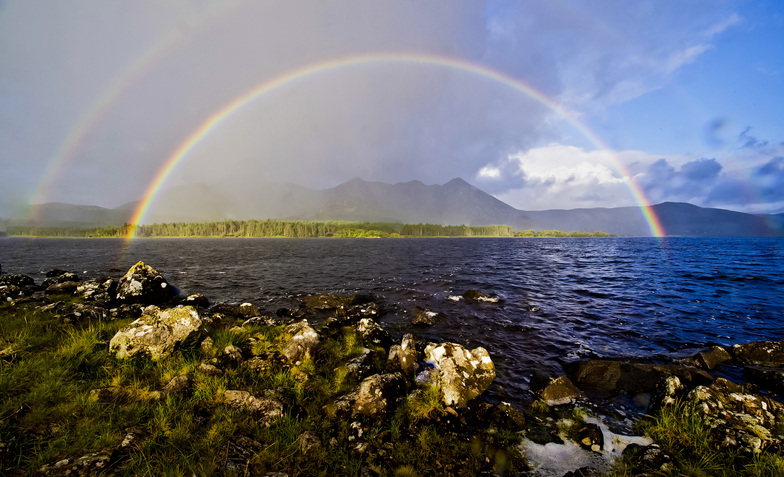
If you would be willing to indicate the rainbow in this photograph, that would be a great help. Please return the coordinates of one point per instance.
(116, 88)
(217, 118)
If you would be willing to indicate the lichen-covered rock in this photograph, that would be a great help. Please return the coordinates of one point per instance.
(667, 391)
(62, 288)
(738, 421)
(361, 365)
(248, 310)
(558, 391)
(104, 289)
(17, 280)
(264, 408)
(158, 335)
(197, 299)
(144, 284)
(308, 441)
(95, 463)
(403, 357)
(374, 396)
(303, 342)
(760, 353)
(60, 277)
(462, 374)
(372, 334)
(83, 312)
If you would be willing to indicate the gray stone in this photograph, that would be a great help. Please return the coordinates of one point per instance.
(143, 284)
(303, 342)
(308, 441)
(760, 353)
(462, 374)
(159, 335)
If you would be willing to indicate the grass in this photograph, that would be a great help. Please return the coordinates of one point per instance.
(681, 433)
(47, 411)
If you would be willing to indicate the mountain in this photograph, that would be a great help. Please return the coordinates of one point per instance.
(454, 203)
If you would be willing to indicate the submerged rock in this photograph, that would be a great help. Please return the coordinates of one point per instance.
(462, 374)
(144, 284)
(158, 335)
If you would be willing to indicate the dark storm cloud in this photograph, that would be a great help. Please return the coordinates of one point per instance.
(663, 182)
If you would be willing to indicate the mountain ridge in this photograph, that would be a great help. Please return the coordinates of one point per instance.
(456, 202)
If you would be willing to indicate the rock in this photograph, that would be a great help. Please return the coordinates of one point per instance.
(770, 379)
(760, 353)
(263, 364)
(373, 398)
(17, 280)
(618, 376)
(177, 386)
(403, 357)
(210, 370)
(424, 317)
(709, 359)
(55, 272)
(239, 452)
(104, 289)
(476, 296)
(94, 463)
(590, 437)
(82, 312)
(738, 421)
(10, 292)
(372, 334)
(361, 366)
(248, 310)
(104, 395)
(226, 309)
(207, 346)
(667, 391)
(197, 299)
(462, 374)
(231, 356)
(265, 408)
(558, 391)
(302, 344)
(143, 284)
(157, 336)
(308, 441)
(61, 278)
(336, 302)
(508, 417)
(62, 288)
(649, 458)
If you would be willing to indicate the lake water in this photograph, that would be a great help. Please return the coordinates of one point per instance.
(560, 299)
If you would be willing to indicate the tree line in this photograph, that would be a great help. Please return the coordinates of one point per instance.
(292, 229)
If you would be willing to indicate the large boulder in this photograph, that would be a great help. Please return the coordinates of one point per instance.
(619, 376)
(462, 374)
(158, 334)
(144, 284)
(303, 343)
(760, 353)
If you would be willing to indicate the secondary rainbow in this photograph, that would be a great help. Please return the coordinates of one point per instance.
(226, 111)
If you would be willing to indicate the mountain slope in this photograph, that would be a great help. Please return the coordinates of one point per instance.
(453, 203)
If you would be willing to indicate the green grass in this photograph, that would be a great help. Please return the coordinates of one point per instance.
(681, 433)
(47, 413)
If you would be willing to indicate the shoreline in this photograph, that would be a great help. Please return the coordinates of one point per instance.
(556, 417)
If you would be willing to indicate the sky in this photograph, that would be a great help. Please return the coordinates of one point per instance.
(544, 104)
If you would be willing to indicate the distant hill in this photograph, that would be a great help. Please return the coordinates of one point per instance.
(454, 203)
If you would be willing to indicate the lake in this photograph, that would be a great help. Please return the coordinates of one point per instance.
(559, 299)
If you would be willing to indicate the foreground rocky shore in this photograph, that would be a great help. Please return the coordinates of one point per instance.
(122, 376)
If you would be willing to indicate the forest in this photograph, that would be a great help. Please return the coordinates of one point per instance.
(292, 229)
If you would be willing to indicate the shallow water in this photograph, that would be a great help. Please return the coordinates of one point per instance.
(595, 297)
